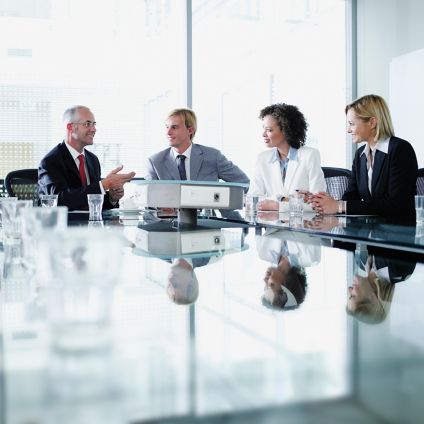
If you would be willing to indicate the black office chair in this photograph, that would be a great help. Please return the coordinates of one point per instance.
(336, 180)
(420, 182)
(23, 184)
(3, 192)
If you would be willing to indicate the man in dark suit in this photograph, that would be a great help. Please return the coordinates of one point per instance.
(72, 172)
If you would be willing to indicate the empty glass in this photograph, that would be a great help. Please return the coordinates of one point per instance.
(48, 200)
(95, 204)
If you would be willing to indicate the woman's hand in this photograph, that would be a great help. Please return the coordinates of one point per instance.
(323, 203)
(268, 205)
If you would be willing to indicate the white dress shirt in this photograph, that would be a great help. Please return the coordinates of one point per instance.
(187, 155)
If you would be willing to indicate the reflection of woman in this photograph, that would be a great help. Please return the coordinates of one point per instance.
(370, 296)
(288, 165)
(384, 171)
(285, 280)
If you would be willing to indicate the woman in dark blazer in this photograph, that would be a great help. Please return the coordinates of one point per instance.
(384, 170)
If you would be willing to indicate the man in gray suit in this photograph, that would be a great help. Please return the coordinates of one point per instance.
(184, 160)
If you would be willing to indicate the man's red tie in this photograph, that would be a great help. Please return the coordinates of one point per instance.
(82, 170)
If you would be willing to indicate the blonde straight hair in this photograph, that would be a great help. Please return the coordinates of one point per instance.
(373, 106)
(189, 118)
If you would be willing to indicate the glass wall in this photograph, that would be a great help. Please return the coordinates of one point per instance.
(248, 54)
(127, 60)
(124, 59)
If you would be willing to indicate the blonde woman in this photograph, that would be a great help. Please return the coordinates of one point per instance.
(384, 170)
(370, 296)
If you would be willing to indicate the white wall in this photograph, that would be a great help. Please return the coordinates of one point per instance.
(388, 30)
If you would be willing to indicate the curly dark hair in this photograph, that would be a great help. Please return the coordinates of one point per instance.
(291, 121)
(296, 282)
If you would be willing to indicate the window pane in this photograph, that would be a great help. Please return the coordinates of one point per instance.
(248, 54)
(125, 60)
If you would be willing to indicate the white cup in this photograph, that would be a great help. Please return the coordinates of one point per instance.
(95, 204)
(296, 204)
(419, 209)
(48, 200)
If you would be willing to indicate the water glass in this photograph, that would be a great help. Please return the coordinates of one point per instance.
(38, 221)
(48, 200)
(78, 270)
(95, 204)
(5, 199)
(296, 204)
(12, 212)
(251, 204)
(419, 209)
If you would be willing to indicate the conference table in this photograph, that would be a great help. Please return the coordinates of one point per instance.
(225, 354)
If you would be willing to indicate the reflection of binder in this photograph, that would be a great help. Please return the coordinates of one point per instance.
(176, 243)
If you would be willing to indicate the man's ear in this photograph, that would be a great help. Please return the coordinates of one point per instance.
(69, 126)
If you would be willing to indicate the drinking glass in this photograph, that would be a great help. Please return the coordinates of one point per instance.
(296, 204)
(419, 209)
(78, 270)
(12, 212)
(95, 204)
(48, 200)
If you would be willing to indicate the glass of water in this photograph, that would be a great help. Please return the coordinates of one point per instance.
(48, 200)
(296, 204)
(95, 204)
(419, 209)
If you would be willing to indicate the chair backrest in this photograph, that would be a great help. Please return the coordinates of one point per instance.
(23, 184)
(336, 180)
(420, 182)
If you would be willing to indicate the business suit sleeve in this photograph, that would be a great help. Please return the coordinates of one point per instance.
(316, 176)
(396, 186)
(229, 172)
(257, 185)
(352, 192)
(151, 172)
(54, 178)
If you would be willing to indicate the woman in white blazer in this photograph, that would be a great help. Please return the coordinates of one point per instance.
(288, 166)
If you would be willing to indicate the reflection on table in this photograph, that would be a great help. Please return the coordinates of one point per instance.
(214, 351)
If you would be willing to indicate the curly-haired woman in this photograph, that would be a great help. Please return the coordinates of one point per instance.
(288, 166)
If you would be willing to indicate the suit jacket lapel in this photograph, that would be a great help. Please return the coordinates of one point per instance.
(363, 180)
(69, 161)
(196, 160)
(379, 159)
(171, 165)
(291, 171)
(90, 168)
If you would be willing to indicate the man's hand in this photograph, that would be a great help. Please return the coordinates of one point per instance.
(115, 194)
(114, 181)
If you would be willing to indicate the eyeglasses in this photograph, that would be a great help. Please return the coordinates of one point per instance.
(86, 124)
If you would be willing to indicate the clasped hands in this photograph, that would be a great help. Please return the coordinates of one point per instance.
(322, 203)
(114, 183)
